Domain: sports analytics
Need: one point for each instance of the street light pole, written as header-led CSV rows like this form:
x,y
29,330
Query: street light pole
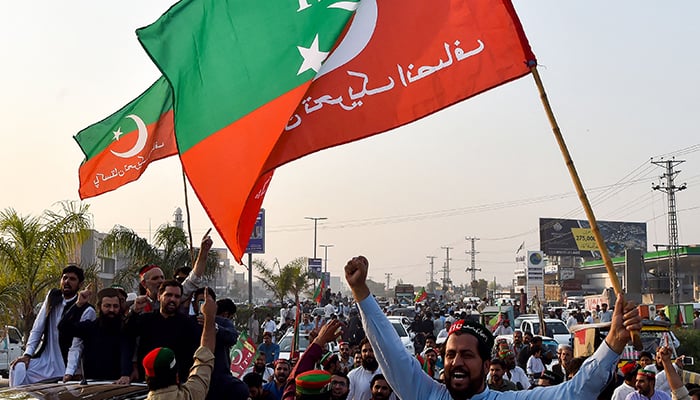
x,y
325,255
315,219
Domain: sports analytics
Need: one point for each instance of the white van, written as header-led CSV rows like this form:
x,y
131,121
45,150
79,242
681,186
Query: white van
x,y
11,347
556,329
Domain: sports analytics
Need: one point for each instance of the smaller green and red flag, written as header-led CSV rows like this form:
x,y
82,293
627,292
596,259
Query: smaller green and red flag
x,y
119,148
242,355
318,294
421,295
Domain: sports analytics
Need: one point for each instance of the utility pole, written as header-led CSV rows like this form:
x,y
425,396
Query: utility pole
x,y
325,255
446,281
473,254
670,188
315,219
432,272
388,280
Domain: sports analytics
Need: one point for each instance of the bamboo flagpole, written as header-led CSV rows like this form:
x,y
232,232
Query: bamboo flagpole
x,y
636,338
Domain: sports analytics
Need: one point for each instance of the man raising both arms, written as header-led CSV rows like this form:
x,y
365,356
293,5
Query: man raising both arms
x,y
468,351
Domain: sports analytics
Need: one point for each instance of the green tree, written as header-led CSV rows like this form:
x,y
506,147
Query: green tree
x,y
292,279
170,250
33,252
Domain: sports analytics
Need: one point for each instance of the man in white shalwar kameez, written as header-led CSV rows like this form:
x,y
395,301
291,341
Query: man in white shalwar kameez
x,y
54,358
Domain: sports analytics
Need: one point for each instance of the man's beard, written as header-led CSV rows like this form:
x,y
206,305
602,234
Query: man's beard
x,y
476,381
68,291
645,392
110,322
342,397
259,369
378,396
370,363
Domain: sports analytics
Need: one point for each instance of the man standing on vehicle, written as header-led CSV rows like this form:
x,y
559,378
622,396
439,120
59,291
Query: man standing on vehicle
x,y
49,354
103,338
161,365
166,327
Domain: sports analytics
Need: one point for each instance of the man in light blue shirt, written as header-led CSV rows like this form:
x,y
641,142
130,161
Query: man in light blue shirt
x,y
468,351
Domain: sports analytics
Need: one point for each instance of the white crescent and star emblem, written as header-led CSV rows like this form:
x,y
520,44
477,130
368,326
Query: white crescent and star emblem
x,y
140,141
237,357
313,57
359,34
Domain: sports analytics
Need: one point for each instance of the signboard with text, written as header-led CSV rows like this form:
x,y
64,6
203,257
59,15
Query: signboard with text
x,y
256,244
315,267
569,237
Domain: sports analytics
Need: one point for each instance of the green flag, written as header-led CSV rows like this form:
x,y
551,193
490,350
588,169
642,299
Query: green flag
x,y
238,70
119,148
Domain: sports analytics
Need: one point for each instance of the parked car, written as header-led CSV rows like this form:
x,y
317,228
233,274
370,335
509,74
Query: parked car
x,y
11,347
520,318
409,312
406,339
554,328
286,344
74,390
404,320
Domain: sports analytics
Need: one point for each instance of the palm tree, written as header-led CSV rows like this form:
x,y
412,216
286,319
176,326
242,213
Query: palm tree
x,y
298,277
34,251
170,251
290,279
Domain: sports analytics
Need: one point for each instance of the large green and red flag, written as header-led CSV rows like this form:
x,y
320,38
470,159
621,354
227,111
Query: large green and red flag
x,y
119,148
402,60
238,70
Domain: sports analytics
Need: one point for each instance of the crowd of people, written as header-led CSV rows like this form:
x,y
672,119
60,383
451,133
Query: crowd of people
x,y
177,338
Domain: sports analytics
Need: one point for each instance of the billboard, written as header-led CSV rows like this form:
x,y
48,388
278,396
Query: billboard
x,y
256,244
315,266
570,237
